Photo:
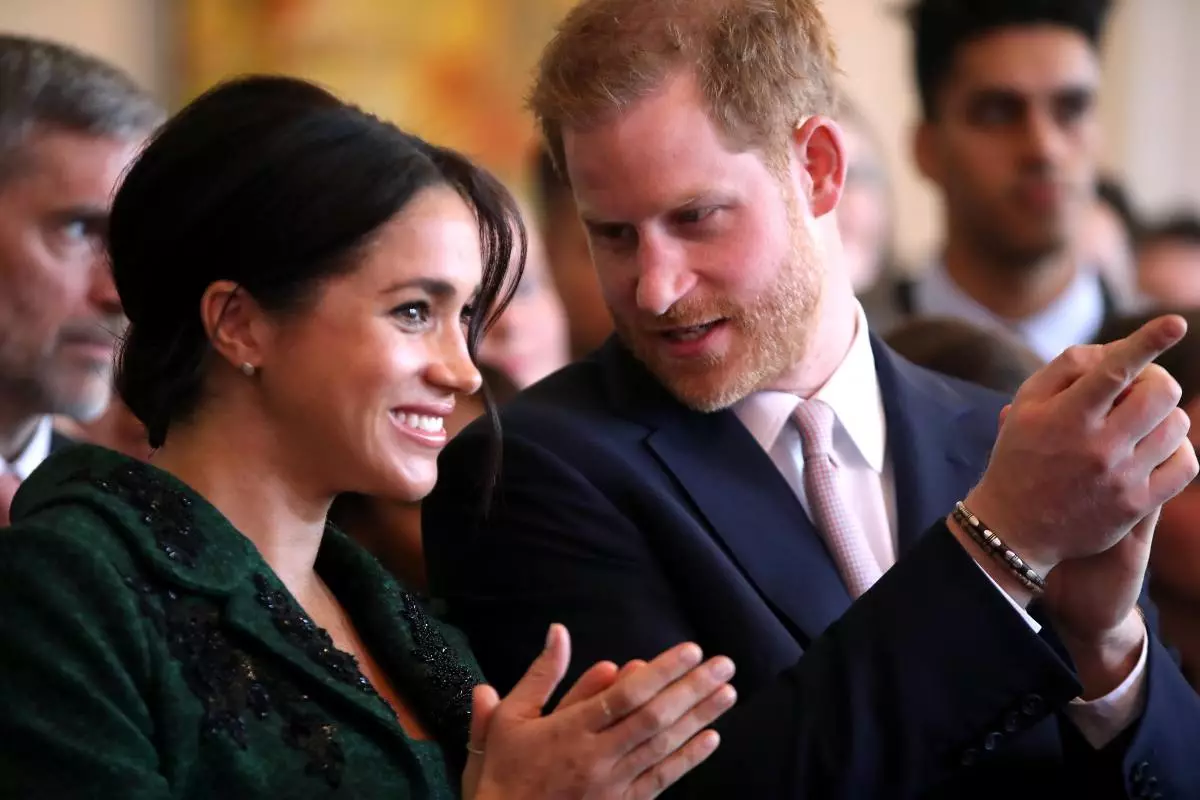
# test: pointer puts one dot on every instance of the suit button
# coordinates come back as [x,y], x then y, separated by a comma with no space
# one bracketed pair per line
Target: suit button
[970,757]
[1012,723]
[1033,705]
[991,741]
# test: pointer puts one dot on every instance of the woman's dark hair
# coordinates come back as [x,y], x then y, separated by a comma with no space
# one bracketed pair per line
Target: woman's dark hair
[276,185]
[965,351]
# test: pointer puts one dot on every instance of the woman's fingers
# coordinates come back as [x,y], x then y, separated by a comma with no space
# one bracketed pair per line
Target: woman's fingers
[663,745]
[669,707]
[657,780]
[601,676]
[483,707]
[639,687]
[532,692]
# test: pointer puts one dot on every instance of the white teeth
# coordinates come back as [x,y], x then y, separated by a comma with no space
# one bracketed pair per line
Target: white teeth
[690,334]
[422,423]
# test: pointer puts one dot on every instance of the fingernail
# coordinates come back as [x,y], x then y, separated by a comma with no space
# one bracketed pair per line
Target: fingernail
[722,669]
[550,637]
[727,697]
[691,655]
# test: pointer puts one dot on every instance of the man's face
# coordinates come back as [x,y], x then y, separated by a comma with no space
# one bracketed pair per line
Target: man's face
[702,252]
[59,311]
[1014,143]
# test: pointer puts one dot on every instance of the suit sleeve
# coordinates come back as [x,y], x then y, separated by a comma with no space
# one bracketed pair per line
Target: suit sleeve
[74,724]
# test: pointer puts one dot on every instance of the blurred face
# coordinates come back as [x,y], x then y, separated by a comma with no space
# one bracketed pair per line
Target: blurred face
[365,378]
[1015,142]
[1169,272]
[529,341]
[59,311]
[863,215]
[701,252]
[570,262]
[1176,555]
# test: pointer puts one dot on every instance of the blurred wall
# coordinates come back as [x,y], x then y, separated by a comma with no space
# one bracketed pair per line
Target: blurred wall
[1149,104]
[133,34]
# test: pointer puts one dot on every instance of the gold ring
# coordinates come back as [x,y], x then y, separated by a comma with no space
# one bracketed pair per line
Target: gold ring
[475,751]
[608,715]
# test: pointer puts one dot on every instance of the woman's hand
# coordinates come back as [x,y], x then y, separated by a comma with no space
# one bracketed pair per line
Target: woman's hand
[627,733]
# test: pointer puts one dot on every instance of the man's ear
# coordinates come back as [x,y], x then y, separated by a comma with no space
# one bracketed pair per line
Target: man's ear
[819,153]
[924,149]
[236,325]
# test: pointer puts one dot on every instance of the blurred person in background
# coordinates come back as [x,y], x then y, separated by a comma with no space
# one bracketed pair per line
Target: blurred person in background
[391,529]
[69,125]
[1107,237]
[588,320]
[192,627]
[530,339]
[865,213]
[968,352]
[1175,558]
[1010,137]
[1168,261]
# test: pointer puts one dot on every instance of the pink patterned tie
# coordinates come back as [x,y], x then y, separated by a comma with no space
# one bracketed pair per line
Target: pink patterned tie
[843,537]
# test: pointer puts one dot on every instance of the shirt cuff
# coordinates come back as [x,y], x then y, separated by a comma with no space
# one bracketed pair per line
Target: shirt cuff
[1033,623]
[1103,719]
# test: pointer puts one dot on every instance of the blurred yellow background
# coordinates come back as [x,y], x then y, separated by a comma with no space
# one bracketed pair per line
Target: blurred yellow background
[453,71]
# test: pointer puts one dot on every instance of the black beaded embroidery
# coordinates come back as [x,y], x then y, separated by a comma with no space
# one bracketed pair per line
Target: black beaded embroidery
[230,684]
[306,635]
[447,703]
[167,512]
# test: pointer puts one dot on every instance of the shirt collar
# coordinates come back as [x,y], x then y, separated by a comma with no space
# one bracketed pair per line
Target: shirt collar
[37,451]
[1074,317]
[852,392]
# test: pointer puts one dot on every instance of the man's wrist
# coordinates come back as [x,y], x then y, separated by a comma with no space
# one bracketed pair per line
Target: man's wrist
[1103,661]
[997,570]
[1040,559]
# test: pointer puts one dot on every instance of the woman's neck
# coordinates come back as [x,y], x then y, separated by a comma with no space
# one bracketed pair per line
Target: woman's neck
[234,464]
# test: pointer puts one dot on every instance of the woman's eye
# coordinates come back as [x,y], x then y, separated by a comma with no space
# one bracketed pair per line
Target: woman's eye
[412,313]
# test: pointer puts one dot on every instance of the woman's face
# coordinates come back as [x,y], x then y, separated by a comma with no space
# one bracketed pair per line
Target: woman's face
[361,382]
[530,339]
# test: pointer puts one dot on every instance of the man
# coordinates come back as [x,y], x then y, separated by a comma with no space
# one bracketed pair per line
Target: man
[743,466]
[69,125]
[1010,137]
[1168,261]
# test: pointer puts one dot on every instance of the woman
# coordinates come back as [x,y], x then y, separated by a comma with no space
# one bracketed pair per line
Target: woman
[305,286]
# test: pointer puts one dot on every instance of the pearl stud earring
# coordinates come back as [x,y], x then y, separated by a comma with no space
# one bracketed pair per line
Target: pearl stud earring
[247,369]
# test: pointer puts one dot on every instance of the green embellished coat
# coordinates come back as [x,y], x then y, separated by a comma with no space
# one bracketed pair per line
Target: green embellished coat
[148,651]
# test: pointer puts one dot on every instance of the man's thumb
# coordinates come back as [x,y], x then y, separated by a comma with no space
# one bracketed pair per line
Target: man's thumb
[533,691]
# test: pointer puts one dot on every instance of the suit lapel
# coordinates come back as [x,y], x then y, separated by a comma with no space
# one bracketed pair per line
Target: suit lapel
[938,442]
[739,492]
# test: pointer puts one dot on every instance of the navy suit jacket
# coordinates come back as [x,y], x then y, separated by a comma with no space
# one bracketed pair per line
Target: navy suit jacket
[641,524]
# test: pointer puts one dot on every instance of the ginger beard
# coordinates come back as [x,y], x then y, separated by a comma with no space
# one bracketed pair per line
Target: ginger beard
[770,333]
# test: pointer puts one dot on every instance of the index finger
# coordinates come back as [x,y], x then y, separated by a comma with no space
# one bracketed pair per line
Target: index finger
[1123,361]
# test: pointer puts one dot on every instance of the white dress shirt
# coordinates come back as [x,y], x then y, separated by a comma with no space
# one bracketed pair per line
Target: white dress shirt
[866,481]
[37,451]
[1073,318]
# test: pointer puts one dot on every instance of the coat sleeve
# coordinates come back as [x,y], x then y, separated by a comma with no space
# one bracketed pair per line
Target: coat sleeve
[75,723]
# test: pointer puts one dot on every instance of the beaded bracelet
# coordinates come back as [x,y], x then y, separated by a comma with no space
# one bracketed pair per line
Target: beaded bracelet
[992,544]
